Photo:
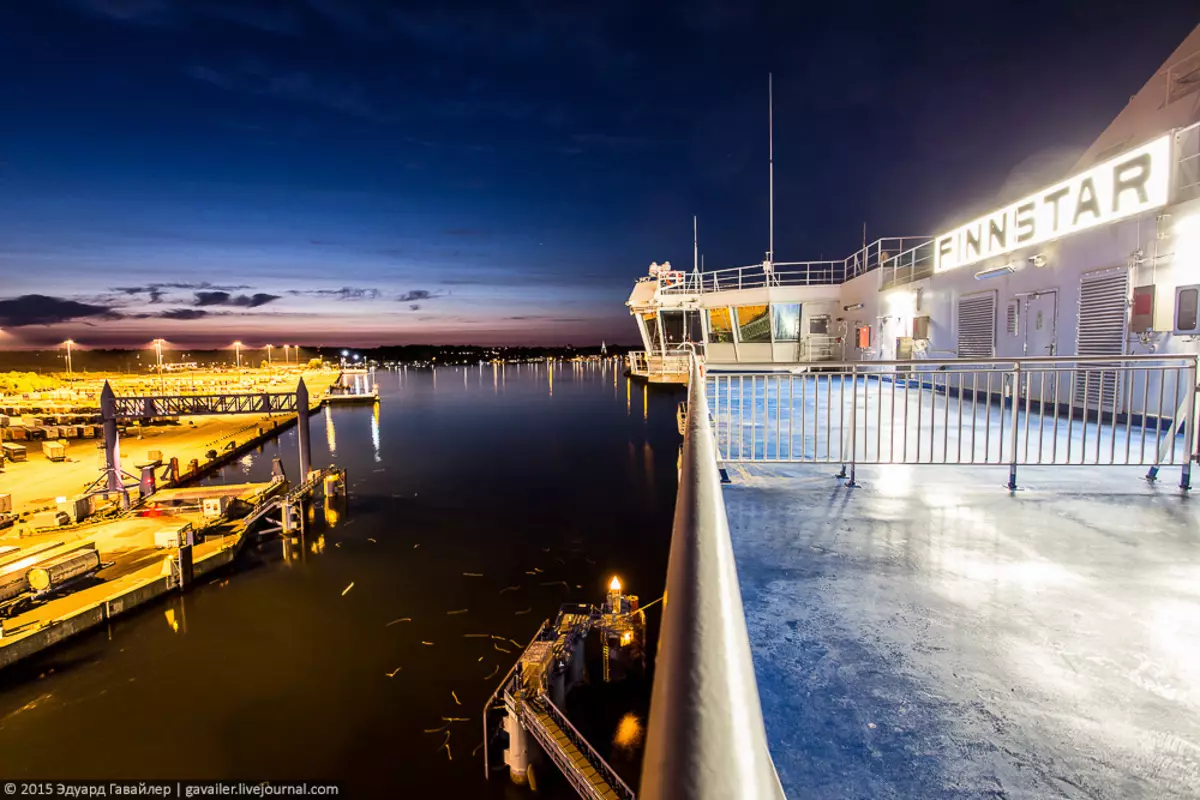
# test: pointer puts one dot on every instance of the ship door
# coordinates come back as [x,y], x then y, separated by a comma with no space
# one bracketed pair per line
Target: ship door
[1040,325]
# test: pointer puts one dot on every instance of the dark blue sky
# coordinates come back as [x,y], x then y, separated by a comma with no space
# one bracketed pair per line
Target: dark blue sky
[364,172]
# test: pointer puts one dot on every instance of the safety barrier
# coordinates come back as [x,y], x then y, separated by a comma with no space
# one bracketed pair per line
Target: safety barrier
[1097,411]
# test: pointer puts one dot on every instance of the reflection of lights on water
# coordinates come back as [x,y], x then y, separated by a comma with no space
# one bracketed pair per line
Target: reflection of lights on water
[319,545]
[375,431]
[171,621]
[550,372]
[627,403]
[646,402]
[435,376]
[330,433]
[495,379]
[630,732]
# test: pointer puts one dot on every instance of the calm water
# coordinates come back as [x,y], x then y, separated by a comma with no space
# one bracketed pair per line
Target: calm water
[275,674]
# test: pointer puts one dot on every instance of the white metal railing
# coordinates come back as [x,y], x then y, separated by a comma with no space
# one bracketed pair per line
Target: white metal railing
[1093,411]
[907,266]
[705,739]
[791,273]
[1187,164]
[527,709]
[644,365]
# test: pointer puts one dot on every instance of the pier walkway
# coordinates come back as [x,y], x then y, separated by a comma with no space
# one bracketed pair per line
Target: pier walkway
[569,750]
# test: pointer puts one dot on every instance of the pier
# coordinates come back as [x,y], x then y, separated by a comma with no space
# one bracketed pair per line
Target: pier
[150,534]
[530,699]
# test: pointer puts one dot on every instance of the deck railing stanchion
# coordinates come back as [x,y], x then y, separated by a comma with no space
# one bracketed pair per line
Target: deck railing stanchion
[1015,378]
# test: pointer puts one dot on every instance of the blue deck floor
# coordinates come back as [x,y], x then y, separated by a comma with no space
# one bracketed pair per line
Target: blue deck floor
[931,635]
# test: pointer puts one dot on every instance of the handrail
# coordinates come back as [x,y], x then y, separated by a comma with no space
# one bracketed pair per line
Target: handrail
[706,739]
[579,740]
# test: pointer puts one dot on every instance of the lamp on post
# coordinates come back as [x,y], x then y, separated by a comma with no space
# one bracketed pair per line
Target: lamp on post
[237,349]
[68,344]
[158,356]
[270,347]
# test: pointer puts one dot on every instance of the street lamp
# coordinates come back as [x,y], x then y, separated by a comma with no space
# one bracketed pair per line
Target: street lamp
[158,356]
[68,343]
[270,347]
[237,349]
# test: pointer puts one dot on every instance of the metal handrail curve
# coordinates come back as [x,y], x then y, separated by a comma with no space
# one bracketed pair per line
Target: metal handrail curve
[706,739]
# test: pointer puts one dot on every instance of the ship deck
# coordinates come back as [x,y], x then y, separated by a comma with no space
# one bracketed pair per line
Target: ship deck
[932,635]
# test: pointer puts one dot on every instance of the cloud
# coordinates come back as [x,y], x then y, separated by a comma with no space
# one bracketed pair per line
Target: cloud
[242,300]
[416,294]
[156,291]
[40,309]
[182,314]
[344,293]
[414,307]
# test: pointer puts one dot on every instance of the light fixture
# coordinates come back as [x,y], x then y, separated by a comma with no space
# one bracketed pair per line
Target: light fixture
[1038,260]
[995,272]
[854,307]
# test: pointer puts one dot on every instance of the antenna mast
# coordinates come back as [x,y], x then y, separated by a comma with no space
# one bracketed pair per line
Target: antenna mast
[771,161]
[695,246]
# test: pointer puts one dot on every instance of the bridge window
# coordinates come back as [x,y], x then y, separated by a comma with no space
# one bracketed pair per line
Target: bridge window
[786,321]
[754,325]
[672,326]
[653,341]
[720,327]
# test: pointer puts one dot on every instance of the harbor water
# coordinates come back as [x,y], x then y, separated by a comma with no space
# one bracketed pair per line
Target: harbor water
[480,499]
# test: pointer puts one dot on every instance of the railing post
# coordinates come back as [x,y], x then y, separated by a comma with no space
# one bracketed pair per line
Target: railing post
[1012,455]
[852,483]
[1189,430]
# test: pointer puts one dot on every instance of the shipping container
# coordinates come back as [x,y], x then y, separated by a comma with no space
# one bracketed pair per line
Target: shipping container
[54,450]
[14,451]
[215,506]
[174,536]
[54,573]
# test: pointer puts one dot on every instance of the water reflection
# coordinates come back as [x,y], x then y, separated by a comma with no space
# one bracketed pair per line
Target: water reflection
[645,401]
[375,430]
[330,433]
[628,408]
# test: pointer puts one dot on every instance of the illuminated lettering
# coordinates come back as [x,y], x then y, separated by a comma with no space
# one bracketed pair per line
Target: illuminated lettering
[1124,182]
[997,234]
[1053,199]
[1086,202]
[1026,226]
[973,240]
[944,248]
[1137,181]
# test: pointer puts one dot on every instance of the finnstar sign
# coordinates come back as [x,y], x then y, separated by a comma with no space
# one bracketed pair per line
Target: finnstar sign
[1134,181]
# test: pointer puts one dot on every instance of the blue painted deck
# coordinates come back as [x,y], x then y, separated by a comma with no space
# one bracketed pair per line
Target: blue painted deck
[933,636]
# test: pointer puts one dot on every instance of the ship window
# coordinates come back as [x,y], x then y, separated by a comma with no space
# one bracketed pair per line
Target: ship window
[753,324]
[651,323]
[672,326]
[786,320]
[720,326]
[819,326]
[1187,309]
[692,329]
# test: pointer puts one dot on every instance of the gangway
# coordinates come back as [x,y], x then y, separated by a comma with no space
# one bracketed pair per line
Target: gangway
[583,767]
[535,689]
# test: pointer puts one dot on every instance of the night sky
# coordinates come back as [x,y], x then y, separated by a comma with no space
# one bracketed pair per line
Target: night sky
[365,172]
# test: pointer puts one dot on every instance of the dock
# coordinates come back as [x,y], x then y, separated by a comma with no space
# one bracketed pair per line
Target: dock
[213,523]
[530,698]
